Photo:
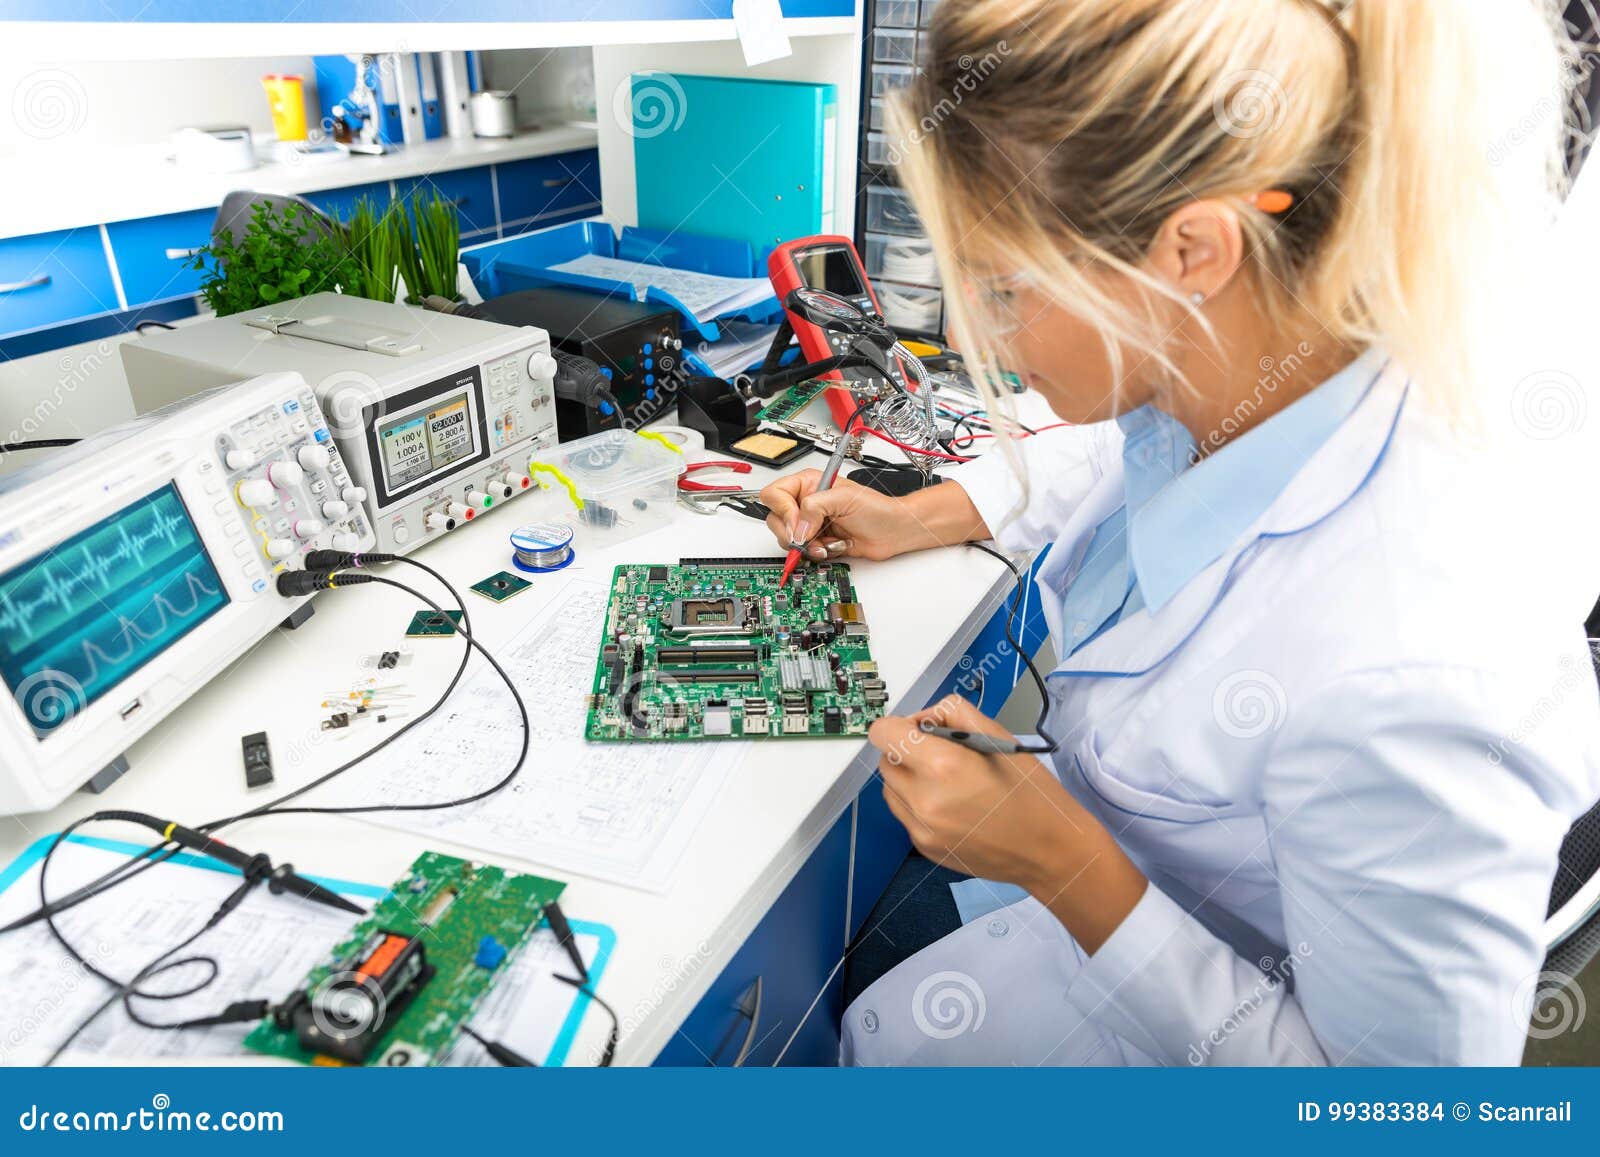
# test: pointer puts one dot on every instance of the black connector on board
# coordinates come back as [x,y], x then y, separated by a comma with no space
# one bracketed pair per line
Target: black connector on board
[257,760]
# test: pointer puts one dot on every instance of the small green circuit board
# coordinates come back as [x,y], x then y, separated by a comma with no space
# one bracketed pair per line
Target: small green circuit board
[787,406]
[714,649]
[427,624]
[470,921]
[500,587]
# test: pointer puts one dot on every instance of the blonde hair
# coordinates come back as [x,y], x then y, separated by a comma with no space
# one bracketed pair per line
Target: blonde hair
[1422,140]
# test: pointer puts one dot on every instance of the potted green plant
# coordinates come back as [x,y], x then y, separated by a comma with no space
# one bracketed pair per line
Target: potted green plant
[280,255]
[430,248]
[373,246]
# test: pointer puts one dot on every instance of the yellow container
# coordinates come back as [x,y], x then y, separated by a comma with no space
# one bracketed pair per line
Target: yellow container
[286,97]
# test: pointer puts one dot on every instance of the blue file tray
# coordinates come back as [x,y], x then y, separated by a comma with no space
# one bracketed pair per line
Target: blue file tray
[524,262]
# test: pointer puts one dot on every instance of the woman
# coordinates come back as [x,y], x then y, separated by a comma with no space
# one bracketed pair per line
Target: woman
[1295,812]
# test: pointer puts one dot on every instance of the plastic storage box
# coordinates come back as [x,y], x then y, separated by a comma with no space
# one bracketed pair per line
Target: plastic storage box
[895,45]
[889,211]
[609,486]
[895,13]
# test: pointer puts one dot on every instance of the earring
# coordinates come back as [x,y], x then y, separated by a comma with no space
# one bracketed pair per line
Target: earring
[1197,297]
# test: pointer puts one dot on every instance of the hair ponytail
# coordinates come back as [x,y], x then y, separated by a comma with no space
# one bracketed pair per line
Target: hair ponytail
[1423,140]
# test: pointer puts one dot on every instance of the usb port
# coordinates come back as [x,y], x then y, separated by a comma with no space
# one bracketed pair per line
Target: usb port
[128,711]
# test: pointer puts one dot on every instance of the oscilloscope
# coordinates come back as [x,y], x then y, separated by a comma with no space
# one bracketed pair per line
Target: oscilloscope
[137,564]
[437,415]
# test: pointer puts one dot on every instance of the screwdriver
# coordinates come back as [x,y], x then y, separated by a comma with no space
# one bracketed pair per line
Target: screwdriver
[829,473]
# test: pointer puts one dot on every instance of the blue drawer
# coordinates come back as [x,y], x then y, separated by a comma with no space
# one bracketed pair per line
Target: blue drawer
[155,254]
[472,190]
[337,203]
[791,953]
[545,186]
[53,277]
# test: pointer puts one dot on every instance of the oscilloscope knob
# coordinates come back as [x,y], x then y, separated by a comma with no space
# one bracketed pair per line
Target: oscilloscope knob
[347,542]
[353,494]
[239,459]
[279,548]
[333,509]
[307,528]
[284,473]
[313,457]
[256,492]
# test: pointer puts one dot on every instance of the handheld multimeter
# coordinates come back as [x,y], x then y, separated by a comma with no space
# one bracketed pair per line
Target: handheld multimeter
[831,263]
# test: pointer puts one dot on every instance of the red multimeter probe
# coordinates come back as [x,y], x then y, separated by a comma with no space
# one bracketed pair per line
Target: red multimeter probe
[828,262]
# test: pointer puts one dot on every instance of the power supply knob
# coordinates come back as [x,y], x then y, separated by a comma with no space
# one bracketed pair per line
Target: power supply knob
[256,492]
[437,521]
[279,548]
[541,367]
[307,528]
[346,542]
[284,473]
[460,513]
[353,494]
[313,457]
[333,509]
[478,500]
[239,459]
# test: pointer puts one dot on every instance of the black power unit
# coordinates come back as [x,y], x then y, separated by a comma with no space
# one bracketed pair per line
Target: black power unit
[636,346]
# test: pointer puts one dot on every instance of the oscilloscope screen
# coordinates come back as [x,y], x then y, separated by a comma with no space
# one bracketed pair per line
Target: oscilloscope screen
[80,618]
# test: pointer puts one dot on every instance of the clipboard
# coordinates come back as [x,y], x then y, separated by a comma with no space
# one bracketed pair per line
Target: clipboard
[560,1047]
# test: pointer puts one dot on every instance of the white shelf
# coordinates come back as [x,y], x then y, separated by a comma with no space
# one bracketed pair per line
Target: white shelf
[70,190]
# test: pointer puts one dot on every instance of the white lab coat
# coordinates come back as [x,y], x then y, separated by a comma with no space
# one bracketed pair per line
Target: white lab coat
[1345,752]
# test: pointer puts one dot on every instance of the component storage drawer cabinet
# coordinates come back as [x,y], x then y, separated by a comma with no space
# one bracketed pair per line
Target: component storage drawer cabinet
[155,255]
[543,186]
[53,277]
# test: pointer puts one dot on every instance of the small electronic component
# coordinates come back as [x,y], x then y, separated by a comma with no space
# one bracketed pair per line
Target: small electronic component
[500,587]
[433,624]
[387,660]
[714,648]
[345,1016]
[257,760]
[797,397]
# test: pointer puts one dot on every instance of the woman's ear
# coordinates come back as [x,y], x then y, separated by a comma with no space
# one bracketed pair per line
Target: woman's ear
[1199,249]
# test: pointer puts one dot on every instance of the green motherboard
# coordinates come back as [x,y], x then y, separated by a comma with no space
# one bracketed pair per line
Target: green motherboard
[396,991]
[715,649]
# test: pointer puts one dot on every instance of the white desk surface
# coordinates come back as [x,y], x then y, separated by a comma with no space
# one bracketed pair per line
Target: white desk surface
[923,610]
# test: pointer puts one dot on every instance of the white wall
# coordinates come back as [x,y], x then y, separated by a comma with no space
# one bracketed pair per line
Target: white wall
[834,60]
[548,82]
[101,105]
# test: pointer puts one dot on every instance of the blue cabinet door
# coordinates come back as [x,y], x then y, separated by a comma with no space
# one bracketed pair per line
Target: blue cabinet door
[789,956]
[540,188]
[155,254]
[337,203]
[53,277]
[470,190]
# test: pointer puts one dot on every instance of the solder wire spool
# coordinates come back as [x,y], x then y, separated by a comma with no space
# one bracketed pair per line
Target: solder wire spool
[541,547]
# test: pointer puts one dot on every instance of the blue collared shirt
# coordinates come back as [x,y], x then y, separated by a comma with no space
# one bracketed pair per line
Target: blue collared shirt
[1181,512]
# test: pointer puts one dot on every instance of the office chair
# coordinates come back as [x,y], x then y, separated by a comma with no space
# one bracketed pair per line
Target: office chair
[233,215]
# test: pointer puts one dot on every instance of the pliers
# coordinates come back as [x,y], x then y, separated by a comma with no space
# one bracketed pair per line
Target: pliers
[691,485]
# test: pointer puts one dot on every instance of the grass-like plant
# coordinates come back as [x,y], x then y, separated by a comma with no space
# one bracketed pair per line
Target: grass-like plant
[431,247]
[373,245]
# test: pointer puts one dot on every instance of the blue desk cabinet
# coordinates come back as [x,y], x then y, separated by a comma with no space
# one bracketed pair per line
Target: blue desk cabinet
[337,203]
[790,954]
[536,191]
[155,255]
[54,277]
[471,191]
